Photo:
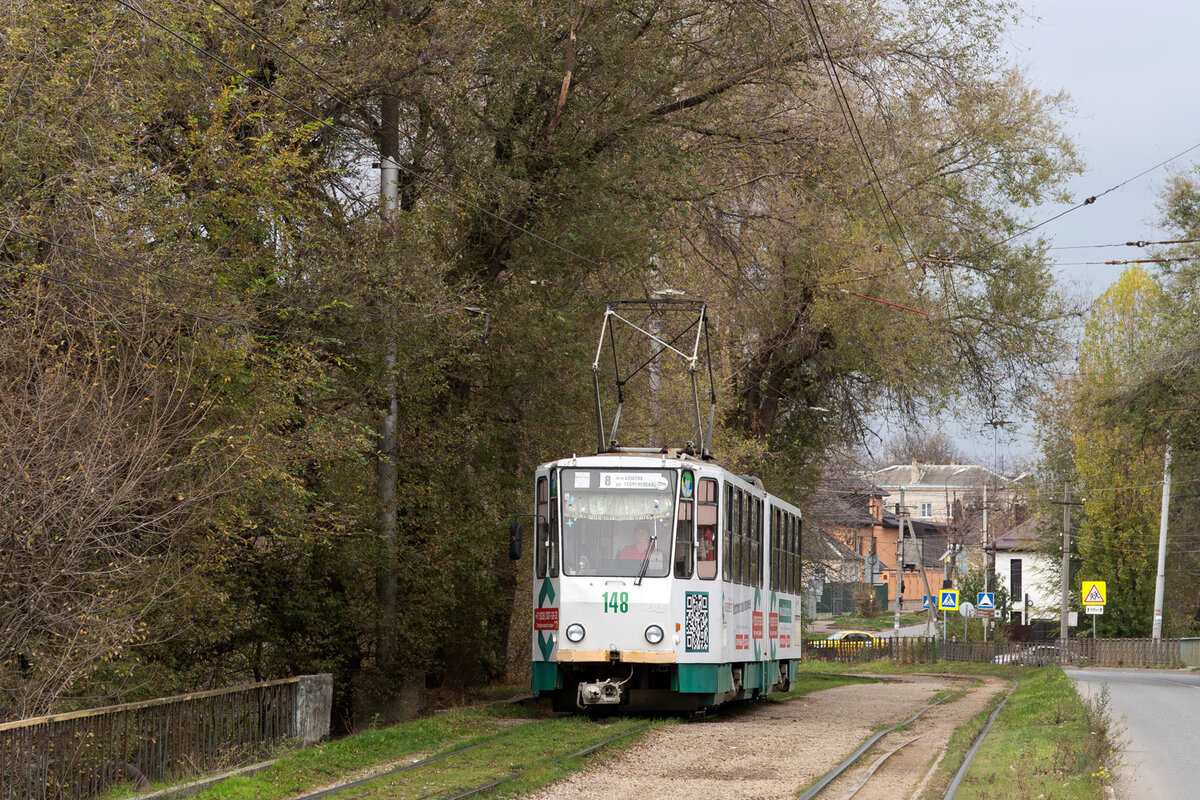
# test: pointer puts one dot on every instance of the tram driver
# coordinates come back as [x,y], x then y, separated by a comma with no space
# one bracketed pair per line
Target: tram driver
[641,543]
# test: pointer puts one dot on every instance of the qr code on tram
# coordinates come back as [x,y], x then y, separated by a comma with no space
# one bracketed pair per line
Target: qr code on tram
[696,622]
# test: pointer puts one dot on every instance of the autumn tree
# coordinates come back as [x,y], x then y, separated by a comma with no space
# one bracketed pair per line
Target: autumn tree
[1118,463]
[838,181]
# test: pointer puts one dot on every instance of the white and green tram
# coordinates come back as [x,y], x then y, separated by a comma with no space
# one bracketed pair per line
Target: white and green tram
[662,582]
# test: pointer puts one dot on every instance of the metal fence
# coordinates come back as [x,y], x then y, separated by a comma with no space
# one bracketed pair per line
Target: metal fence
[1083,652]
[84,753]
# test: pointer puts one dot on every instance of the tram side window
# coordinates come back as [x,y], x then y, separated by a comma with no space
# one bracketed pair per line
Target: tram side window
[776,560]
[727,534]
[552,538]
[735,552]
[539,532]
[684,534]
[741,513]
[785,553]
[756,541]
[796,553]
[791,564]
[706,529]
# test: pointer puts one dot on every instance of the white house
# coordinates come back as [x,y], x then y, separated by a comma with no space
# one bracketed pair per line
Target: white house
[931,491]
[1031,577]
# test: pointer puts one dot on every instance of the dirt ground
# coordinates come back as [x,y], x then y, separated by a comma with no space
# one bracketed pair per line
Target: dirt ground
[774,749]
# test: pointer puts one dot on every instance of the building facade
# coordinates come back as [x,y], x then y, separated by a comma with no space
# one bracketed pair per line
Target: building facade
[1030,576]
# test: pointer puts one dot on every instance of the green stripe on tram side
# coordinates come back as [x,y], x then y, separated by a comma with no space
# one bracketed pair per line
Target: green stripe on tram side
[702,678]
[752,675]
[718,678]
[545,676]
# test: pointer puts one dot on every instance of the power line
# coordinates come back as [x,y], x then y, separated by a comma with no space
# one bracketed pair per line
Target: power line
[885,302]
[1126,262]
[269,41]
[856,133]
[1138,243]
[1089,201]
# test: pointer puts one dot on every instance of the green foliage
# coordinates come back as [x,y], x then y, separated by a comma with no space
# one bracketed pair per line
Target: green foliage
[695,146]
[971,584]
[1118,462]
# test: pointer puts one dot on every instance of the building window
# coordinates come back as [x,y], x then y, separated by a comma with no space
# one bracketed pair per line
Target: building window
[1014,580]
[926,509]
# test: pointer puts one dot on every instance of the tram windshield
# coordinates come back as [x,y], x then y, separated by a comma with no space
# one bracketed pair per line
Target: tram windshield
[612,518]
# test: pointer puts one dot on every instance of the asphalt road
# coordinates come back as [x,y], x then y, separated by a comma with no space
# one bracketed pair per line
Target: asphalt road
[1161,717]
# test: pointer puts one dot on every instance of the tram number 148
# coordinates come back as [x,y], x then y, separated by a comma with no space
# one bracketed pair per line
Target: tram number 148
[616,602]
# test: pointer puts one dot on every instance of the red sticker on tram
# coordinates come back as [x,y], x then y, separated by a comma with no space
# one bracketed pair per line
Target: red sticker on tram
[545,619]
[756,624]
[773,625]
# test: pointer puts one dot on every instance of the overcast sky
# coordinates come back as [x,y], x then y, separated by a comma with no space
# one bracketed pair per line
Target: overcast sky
[1130,69]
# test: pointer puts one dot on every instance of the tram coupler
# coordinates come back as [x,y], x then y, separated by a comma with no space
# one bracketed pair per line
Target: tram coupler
[599,693]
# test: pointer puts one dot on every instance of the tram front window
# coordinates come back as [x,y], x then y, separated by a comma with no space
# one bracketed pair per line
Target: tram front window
[614,520]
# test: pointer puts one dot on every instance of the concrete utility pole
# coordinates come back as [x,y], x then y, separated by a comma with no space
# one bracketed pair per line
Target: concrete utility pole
[1160,582]
[386,470]
[899,579]
[929,616]
[985,558]
[1066,565]
[899,565]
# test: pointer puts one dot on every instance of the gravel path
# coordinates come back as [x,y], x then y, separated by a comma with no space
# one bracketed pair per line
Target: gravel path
[773,749]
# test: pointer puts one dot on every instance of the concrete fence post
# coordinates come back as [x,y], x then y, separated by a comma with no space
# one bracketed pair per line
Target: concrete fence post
[313,709]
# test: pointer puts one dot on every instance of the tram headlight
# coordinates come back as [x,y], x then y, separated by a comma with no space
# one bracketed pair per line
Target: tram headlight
[654,634]
[574,632]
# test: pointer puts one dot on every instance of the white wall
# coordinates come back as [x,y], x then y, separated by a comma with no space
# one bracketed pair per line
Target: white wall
[1039,581]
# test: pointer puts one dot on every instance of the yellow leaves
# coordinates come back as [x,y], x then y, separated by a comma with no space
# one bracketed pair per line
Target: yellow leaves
[1123,326]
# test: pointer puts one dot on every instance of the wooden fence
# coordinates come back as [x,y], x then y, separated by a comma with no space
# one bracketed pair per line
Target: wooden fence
[1082,652]
[84,753]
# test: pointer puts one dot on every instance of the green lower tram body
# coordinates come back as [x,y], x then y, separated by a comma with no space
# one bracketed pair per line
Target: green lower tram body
[664,687]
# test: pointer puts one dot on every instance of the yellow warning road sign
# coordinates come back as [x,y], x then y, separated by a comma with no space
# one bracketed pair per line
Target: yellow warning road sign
[1094,593]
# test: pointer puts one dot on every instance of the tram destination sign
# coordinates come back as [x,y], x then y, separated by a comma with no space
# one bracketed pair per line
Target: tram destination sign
[638,481]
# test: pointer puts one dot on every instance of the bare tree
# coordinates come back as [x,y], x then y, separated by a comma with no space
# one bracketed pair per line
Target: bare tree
[924,447]
[100,469]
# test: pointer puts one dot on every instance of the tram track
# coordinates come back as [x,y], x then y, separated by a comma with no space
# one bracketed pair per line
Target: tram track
[377,786]
[834,784]
[905,754]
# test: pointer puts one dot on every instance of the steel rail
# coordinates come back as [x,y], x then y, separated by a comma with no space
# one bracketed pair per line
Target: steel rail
[461,794]
[962,770]
[840,769]
[395,771]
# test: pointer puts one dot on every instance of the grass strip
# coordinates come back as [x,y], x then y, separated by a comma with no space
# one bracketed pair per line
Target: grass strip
[540,752]
[1041,746]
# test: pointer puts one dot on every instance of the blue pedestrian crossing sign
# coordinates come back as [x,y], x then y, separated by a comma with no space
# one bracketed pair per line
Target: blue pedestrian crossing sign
[948,600]
[986,600]
[925,600]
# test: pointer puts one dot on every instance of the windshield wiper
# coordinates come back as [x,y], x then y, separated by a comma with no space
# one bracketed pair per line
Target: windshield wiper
[646,559]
